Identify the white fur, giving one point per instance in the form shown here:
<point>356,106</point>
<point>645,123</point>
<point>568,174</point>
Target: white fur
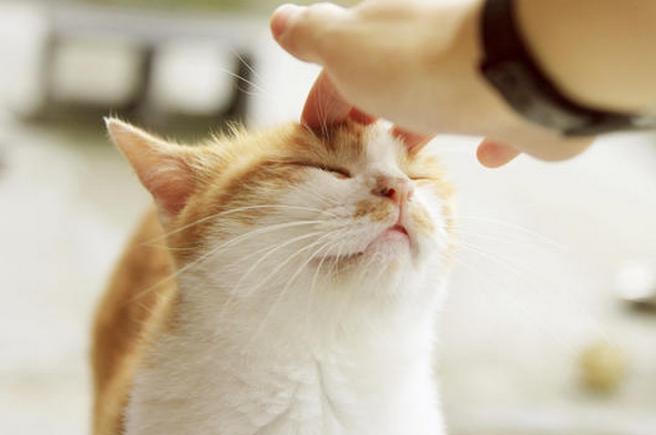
<point>293,345</point>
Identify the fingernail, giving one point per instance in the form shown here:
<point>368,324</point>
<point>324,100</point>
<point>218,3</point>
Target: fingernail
<point>281,17</point>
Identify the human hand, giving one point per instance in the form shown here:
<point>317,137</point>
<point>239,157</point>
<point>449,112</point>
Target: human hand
<point>416,64</point>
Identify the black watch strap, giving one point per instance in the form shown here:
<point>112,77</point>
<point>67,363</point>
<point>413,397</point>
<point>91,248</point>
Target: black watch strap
<point>510,68</point>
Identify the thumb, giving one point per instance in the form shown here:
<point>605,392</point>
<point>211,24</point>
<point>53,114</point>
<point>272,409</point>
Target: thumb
<point>304,31</point>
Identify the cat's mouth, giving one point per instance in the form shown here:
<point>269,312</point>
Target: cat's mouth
<point>398,228</point>
<point>395,235</point>
<point>392,241</point>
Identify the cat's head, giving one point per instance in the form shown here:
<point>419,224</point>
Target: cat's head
<point>291,208</point>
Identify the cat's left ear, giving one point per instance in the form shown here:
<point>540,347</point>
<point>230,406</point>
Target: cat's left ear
<point>164,168</point>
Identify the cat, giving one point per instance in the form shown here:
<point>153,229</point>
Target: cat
<point>286,282</point>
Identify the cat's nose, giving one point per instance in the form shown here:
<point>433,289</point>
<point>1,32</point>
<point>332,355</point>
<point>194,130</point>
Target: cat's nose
<point>399,190</point>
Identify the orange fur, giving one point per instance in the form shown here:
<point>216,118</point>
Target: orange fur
<point>374,210</point>
<point>141,298</point>
<point>121,319</point>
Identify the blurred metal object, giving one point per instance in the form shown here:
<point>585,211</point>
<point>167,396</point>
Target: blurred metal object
<point>165,70</point>
<point>635,283</point>
<point>113,68</point>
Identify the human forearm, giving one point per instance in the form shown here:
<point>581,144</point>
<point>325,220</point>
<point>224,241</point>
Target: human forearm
<point>599,52</point>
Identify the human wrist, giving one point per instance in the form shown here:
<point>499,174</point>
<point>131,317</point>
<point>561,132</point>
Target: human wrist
<point>552,43</point>
<point>601,62</point>
<point>474,106</point>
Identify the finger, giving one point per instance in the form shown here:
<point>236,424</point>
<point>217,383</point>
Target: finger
<point>324,105</point>
<point>302,30</point>
<point>413,141</point>
<point>494,154</point>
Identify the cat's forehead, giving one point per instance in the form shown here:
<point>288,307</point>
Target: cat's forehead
<point>381,147</point>
<point>350,144</point>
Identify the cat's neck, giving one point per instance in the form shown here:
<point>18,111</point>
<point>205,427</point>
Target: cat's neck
<point>320,320</point>
<point>271,365</point>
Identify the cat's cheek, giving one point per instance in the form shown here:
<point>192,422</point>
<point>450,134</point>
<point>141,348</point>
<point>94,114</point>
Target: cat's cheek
<point>422,222</point>
<point>427,225</point>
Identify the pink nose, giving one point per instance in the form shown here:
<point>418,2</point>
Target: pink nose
<point>397,189</point>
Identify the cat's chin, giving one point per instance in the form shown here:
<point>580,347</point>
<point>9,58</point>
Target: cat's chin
<point>391,245</point>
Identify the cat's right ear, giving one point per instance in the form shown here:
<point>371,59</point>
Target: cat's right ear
<point>164,168</point>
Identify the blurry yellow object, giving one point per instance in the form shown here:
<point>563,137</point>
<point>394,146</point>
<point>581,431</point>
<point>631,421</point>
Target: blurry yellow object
<point>603,367</point>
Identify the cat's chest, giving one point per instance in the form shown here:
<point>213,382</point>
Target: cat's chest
<point>280,398</point>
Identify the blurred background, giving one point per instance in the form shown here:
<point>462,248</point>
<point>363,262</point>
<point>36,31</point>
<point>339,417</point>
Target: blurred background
<point>551,323</point>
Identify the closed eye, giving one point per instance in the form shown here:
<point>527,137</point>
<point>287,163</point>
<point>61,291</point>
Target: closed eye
<point>336,171</point>
<point>420,178</point>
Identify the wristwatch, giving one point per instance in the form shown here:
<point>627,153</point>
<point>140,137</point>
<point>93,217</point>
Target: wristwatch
<point>510,68</point>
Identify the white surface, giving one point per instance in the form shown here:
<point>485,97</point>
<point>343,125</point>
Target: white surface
<point>542,244</point>
<point>68,204</point>
<point>192,77</point>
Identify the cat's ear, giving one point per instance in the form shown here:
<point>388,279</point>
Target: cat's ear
<point>163,168</point>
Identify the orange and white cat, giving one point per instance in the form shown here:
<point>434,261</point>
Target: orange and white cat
<point>288,283</point>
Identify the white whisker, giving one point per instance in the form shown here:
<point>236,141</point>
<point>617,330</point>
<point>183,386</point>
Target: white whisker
<point>314,281</point>
<point>284,291</point>
<point>245,80</point>
<point>237,210</point>
<point>514,226</point>
<point>286,261</point>
<point>217,249</point>
<point>245,63</point>
<point>492,257</point>
<point>270,252</point>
